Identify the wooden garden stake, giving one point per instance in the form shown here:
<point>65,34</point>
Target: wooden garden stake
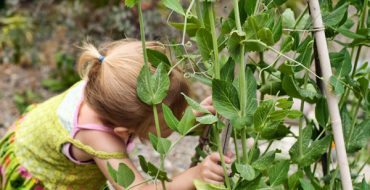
<point>332,100</point>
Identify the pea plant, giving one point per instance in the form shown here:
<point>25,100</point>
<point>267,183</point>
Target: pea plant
<point>253,95</point>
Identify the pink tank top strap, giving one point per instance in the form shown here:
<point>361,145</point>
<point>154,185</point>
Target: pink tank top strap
<point>95,127</point>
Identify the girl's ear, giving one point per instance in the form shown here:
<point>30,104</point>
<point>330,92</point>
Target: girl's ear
<point>121,131</point>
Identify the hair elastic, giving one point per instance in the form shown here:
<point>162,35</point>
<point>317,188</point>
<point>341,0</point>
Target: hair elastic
<point>101,58</point>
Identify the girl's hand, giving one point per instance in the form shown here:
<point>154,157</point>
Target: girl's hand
<point>208,104</point>
<point>210,169</point>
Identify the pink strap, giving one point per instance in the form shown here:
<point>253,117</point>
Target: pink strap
<point>95,127</point>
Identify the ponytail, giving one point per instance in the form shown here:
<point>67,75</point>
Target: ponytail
<point>89,60</point>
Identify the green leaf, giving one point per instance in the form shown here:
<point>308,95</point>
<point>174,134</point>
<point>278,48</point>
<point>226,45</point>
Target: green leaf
<point>285,103</point>
<point>207,119</point>
<point>204,41</point>
<point>291,87</point>
<point>278,173</point>
<point>265,35</point>
<point>335,17</point>
<point>293,114</point>
<point>143,163</point>
<point>316,149</point>
<point>225,98</point>
<point>187,122</point>
<point>251,92</point>
<point>234,46</point>
<point>305,57</point>
<point>262,113</point>
<point>227,71</point>
<point>263,162</point>
<point>152,170</point>
<point>130,3</point>
<point>321,112</point>
<point>112,172</point>
<point>195,105</point>
<point>152,89</point>
<point>170,119</point>
<point>288,18</point>
<point>192,25</point>
<point>306,137</point>
<point>125,176</point>
<point>161,145</point>
<point>201,185</point>
<point>355,136</point>
<point>293,180</point>
<point>155,58</point>
<point>274,131</point>
<point>306,184</point>
<point>250,6</point>
<point>246,171</point>
<point>287,44</point>
<point>272,87</point>
<point>337,85</point>
<point>277,31</point>
<point>174,5</point>
<point>341,61</point>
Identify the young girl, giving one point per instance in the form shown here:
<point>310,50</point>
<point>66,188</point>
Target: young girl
<point>66,141</point>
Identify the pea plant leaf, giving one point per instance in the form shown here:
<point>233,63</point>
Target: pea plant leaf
<point>170,119</point>
<point>262,113</point>
<point>155,58</point>
<point>227,71</point>
<point>321,112</point>
<point>125,176</point>
<point>266,36</point>
<point>152,170</point>
<point>161,145</point>
<point>195,105</point>
<point>336,85</point>
<point>288,18</point>
<point>152,89</point>
<point>204,41</point>
<point>246,171</point>
<point>207,119</point>
<point>187,122</point>
<point>311,151</point>
<point>263,162</point>
<point>251,92</point>
<point>174,5</point>
<point>225,99</point>
<point>192,26</point>
<point>355,135</point>
<point>278,173</point>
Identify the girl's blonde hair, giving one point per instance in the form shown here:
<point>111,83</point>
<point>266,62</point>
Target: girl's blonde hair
<point>111,85</point>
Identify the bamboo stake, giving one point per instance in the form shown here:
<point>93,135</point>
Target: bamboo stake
<point>332,100</point>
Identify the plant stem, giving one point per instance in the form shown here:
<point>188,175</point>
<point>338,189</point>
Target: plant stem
<point>253,148</point>
<point>158,129</point>
<point>236,147</point>
<point>155,112</point>
<point>267,148</point>
<point>142,33</point>
<point>244,145</point>
<point>199,13</point>
<point>214,40</point>
<point>256,8</point>
<point>237,17</point>
<point>332,100</point>
<point>242,91</point>
<point>186,21</point>
<point>219,148</point>
<point>300,125</point>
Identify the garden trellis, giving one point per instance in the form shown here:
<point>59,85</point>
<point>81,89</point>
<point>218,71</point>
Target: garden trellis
<point>259,27</point>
